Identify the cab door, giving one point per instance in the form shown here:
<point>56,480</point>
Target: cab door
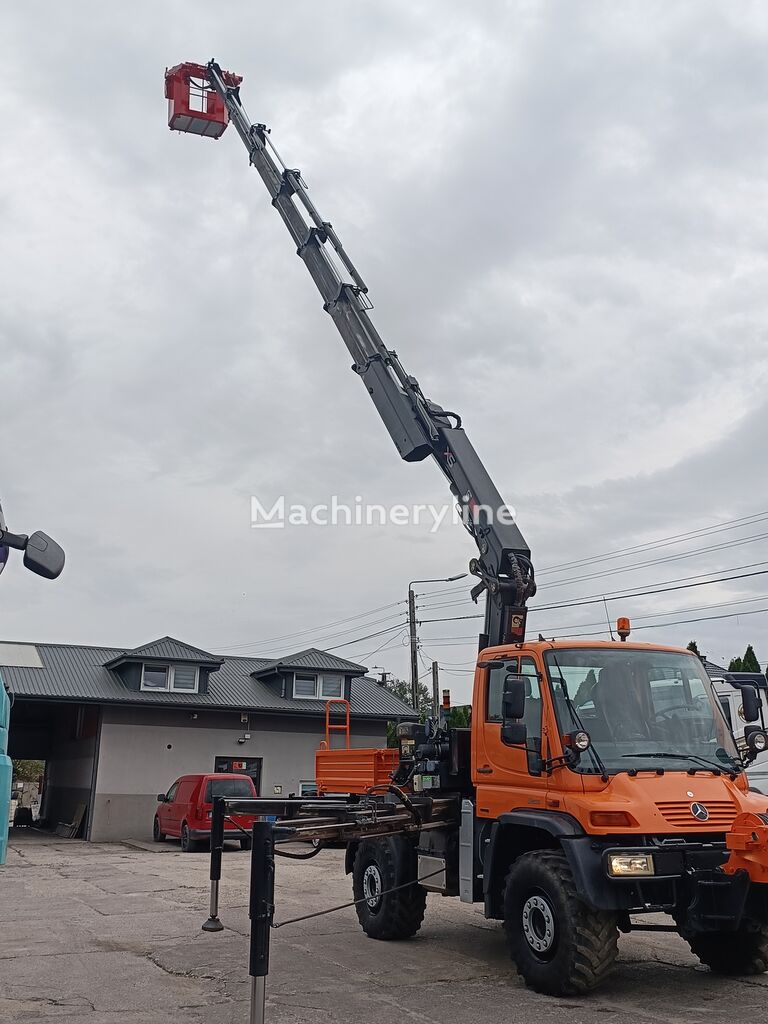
<point>509,777</point>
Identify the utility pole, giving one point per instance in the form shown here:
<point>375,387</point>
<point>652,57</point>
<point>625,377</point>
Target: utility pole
<point>435,689</point>
<point>414,649</point>
<point>414,642</point>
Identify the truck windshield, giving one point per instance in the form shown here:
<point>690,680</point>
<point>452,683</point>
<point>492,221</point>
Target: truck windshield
<point>643,709</point>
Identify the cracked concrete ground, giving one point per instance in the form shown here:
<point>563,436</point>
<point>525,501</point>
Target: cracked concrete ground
<point>91,934</point>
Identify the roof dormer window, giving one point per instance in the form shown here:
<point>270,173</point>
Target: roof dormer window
<point>177,678</point>
<point>315,685</point>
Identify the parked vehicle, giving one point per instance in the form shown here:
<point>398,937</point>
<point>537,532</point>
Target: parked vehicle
<point>728,689</point>
<point>185,811</point>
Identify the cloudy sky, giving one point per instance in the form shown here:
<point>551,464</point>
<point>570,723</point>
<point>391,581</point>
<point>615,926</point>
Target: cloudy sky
<point>561,210</point>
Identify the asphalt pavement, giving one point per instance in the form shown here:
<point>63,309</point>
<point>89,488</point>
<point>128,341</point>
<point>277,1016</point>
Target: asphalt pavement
<point>105,933</point>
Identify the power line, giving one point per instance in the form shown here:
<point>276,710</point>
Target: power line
<point>730,524</point>
<point>314,629</point>
<point>656,561</point>
<point>618,595</point>
<point>453,641</point>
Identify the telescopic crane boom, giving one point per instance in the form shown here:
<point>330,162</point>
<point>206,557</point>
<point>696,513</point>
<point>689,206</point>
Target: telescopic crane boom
<point>419,427</point>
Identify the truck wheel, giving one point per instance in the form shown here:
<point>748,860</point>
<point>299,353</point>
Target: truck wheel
<point>559,945</point>
<point>744,951</point>
<point>380,865</point>
<point>157,835</point>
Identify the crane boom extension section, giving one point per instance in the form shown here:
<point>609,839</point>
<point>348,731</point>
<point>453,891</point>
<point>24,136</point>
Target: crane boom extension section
<point>419,427</point>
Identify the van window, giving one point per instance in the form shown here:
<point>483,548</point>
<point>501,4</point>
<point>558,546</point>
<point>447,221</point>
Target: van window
<point>170,796</point>
<point>237,789</point>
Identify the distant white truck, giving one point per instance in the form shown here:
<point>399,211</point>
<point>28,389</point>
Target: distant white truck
<point>728,689</point>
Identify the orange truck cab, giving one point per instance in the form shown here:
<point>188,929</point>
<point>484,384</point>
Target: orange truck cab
<point>599,782</point>
<point>185,811</point>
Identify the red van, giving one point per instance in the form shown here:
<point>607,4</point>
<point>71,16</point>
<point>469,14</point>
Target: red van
<point>185,810</point>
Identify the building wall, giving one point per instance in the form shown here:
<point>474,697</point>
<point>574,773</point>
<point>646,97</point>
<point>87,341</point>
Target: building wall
<point>143,750</point>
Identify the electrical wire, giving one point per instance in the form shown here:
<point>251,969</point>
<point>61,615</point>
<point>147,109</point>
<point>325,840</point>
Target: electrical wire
<point>730,524</point>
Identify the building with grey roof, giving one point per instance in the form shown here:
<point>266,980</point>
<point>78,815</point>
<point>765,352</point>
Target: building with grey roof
<point>115,726</point>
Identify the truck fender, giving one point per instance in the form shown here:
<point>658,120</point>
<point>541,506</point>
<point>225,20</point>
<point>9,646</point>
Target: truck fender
<point>518,832</point>
<point>349,856</point>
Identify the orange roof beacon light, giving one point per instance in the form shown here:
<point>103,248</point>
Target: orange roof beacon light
<point>623,627</point>
<point>193,104</point>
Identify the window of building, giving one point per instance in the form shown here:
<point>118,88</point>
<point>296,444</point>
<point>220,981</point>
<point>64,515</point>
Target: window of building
<point>331,686</point>
<point>317,686</point>
<point>305,686</point>
<point>308,788</point>
<point>183,678</point>
<point>154,678</point>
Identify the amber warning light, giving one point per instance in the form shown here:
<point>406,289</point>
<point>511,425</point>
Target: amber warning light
<point>623,628</point>
<point>193,104</point>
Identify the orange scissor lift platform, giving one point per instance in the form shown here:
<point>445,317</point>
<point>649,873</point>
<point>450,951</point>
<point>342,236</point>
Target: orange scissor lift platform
<point>350,769</point>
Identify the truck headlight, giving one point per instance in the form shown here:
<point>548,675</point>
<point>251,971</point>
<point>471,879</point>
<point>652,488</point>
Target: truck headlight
<point>630,865</point>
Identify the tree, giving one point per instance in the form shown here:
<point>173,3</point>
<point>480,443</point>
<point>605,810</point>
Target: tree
<point>694,648</point>
<point>27,771</point>
<point>748,663</point>
<point>402,689</point>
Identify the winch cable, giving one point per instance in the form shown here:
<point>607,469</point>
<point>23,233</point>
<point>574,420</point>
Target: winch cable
<point>354,903</point>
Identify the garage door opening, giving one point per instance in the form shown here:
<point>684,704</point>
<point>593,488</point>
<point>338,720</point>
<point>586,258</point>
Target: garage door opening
<point>60,740</point>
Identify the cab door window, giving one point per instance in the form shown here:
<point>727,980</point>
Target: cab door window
<point>532,716</point>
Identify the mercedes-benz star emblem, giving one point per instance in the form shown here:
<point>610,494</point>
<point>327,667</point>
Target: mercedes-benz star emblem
<point>700,812</point>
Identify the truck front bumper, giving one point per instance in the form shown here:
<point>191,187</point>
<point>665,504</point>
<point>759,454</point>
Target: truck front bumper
<point>687,882</point>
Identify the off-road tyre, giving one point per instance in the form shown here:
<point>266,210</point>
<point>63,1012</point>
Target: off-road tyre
<point>561,947</point>
<point>188,844</point>
<point>380,865</point>
<point>157,835</point>
<point>744,951</point>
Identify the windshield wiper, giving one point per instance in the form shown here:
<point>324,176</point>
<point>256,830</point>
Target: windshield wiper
<point>576,718</point>
<point>725,769</point>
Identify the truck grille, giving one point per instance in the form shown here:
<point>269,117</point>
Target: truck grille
<point>679,813</point>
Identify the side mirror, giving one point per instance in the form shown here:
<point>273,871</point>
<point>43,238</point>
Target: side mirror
<point>514,734</point>
<point>751,704</point>
<point>43,556</point>
<point>513,698</point>
<point>513,731</point>
<point>161,798</point>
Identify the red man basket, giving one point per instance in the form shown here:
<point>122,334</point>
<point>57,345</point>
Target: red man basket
<point>193,105</point>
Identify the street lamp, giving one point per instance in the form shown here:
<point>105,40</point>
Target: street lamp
<point>412,632</point>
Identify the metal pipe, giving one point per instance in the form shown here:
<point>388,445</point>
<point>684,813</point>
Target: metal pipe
<point>260,911</point>
<point>213,924</point>
<point>258,1001</point>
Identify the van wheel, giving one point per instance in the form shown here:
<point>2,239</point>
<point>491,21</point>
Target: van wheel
<point>157,835</point>
<point>188,844</point>
<point>380,865</point>
<point>560,946</point>
<point>245,843</point>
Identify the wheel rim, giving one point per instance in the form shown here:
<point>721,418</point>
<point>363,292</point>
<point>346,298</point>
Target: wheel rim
<point>372,887</point>
<point>538,922</point>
